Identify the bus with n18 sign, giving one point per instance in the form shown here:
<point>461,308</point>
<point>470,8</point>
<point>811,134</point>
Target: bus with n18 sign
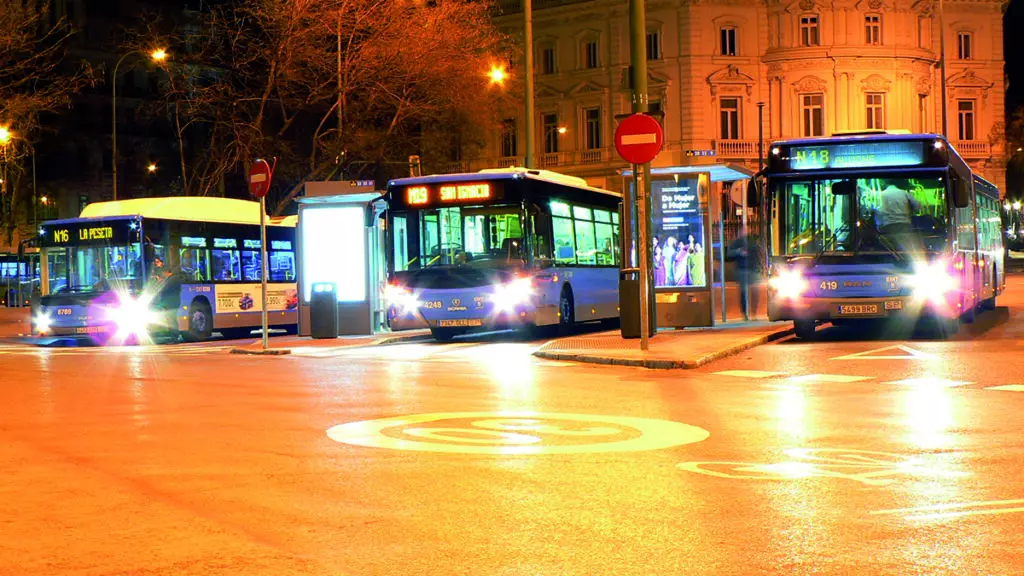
<point>879,226</point>
<point>507,248</point>
<point>132,270</point>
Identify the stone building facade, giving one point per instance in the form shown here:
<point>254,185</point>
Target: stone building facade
<point>814,67</point>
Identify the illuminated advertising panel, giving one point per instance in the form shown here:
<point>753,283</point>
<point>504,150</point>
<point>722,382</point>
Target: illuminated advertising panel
<point>334,251</point>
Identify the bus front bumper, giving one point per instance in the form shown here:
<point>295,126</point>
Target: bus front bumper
<point>499,321</point>
<point>826,309</point>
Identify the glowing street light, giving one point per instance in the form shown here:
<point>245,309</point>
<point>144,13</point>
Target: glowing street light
<point>1006,206</point>
<point>5,134</point>
<point>498,75</point>
<point>1016,205</point>
<point>562,129</point>
<point>151,168</point>
<point>43,200</point>
<point>156,55</point>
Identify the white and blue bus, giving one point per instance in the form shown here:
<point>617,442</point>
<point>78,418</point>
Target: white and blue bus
<point>508,248</point>
<point>879,226</point>
<point>128,270</point>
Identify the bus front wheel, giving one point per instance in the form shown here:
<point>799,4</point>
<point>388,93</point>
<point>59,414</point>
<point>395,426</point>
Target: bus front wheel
<point>200,322</point>
<point>804,329</point>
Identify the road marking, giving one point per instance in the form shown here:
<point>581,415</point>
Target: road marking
<point>517,433</point>
<point>1008,388</point>
<point>908,354</point>
<point>838,378</point>
<point>957,510</point>
<point>929,382</point>
<point>864,466</point>
<point>749,374</point>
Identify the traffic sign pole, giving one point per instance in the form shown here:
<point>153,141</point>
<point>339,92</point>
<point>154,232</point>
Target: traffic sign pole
<point>263,272</point>
<point>260,175</point>
<point>643,249</point>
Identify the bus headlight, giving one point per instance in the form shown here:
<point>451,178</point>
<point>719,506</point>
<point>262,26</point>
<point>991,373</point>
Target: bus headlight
<point>42,322</point>
<point>789,284</point>
<point>511,294</point>
<point>133,316</point>
<point>932,282</point>
<point>401,297</point>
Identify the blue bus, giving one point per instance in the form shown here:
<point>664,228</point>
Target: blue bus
<point>129,270</point>
<point>19,278</point>
<point>507,248</point>
<point>879,226</point>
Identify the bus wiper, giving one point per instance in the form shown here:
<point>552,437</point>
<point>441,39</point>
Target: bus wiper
<point>830,242</point>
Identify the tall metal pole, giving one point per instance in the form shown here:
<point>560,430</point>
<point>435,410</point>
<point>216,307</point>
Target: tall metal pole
<point>263,272</point>
<point>35,196</point>
<point>113,128</point>
<point>528,53</point>
<point>942,65</point>
<point>642,172</point>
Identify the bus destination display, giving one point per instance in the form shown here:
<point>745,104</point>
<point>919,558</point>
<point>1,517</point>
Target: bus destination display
<point>449,194</point>
<point>856,155</point>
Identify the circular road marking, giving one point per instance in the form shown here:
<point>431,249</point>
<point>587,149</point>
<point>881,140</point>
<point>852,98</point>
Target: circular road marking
<point>517,433</point>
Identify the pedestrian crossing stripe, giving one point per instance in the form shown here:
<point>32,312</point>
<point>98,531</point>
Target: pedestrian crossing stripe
<point>908,354</point>
<point>756,374</point>
<point>929,382</point>
<point>1008,388</point>
<point>837,378</point>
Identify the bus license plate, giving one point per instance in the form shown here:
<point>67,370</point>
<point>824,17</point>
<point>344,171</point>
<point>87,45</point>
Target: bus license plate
<point>461,322</point>
<point>894,305</point>
<point>854,309</point>
<point>91,329</point>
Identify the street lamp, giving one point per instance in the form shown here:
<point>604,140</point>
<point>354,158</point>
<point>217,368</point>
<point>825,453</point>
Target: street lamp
<point>151,168</point>
<point>562,129</point>
<point>498,75</point>
<point>157,55</point>
<point>1016,205</point>
<point>5,135</point>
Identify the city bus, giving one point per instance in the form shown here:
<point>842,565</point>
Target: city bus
<point>130,270</point>
<point>506,248</point>
<point>19,278</point>
<point>879,226</point>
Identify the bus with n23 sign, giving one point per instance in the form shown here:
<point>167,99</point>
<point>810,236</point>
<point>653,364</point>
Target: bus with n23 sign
<point>130,270</point>
<point>508,248</point>
<point>879,226</point>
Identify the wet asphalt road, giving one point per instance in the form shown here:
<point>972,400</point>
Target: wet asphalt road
<point>852,454</point>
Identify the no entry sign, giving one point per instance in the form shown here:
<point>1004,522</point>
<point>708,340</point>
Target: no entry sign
<point>639,138</point>
<point>259,178</point>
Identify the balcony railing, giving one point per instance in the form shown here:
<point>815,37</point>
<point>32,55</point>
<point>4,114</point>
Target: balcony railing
<point>550,159</point>
<point>457,167</point>
<point>509,161</point>
<point>595,156</point>
<point>973,148</point>
<point>741,149</point>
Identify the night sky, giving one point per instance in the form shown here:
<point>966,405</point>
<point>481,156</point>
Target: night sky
<point>1013,48</point>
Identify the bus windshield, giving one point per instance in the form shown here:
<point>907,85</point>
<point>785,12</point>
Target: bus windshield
<point>467,236</point>
<point>895,214</point>
<point>92,269</point>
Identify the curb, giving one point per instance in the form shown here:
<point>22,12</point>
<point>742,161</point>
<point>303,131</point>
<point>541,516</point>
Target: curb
<point>667,364</point>
<point>382,342</point>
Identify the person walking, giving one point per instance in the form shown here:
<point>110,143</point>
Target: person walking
<point>746,252</point>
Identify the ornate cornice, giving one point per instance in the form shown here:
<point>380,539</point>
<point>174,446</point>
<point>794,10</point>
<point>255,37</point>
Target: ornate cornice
<point>875,83</point>
<point>811,83</point>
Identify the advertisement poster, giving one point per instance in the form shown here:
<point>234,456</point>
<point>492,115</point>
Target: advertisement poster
<point>677,233</point>
<point>248,298</point>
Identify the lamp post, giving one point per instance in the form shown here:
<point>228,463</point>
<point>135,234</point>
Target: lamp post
<point>157,55</point>
<point>5,139</point>
<point>942,64</point>
<point>528,105</point>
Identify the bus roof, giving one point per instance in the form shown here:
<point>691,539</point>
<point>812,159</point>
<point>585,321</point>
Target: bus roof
<point>857,137</point>
<point>514,173</point>
<point>187,208</point>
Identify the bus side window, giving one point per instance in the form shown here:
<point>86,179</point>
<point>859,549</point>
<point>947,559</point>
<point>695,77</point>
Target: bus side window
<point>540,237</point>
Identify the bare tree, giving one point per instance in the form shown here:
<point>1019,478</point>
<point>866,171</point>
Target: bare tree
<point>35,79</point>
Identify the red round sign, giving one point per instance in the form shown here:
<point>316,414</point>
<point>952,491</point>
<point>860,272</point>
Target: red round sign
<point>259,178</point>
<point>639,138</point>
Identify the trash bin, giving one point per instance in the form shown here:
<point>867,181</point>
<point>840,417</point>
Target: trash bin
<point>323,311</point>
<point>629,305</point>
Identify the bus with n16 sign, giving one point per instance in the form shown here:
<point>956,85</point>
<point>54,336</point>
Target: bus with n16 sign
<point>879,226</point>
<point>507,248</point>
<point>130,270</point>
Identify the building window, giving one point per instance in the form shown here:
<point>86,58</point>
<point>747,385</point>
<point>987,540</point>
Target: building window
<point>809,31</point>
<point>590,55</point>
<point>654,45</point>
<point>873,29</point>
<point>728,40</point>
<point>875,103</point>
<point>547,60</point>
<point>654,109</point>
<point>965,117</point>
<point>964,48</point>
<point>729,115</point>
<point>550,130</point>
<point>592,121</point>
<point>509,138</point>
<point>812,114</point>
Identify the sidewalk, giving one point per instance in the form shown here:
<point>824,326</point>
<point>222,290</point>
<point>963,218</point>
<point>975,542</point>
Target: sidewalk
<point>304,344</point>
<point>689,348</point>
<point>14,322</point>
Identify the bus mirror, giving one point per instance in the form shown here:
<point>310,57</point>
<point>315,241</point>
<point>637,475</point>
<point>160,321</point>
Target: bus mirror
<point>753,193</point>
<point>844,188</point>
<point>961,199</point>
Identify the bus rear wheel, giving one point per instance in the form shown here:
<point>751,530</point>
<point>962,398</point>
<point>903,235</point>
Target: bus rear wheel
<point>566,313</point>
<point>200,323</point>
<point>804,328</point>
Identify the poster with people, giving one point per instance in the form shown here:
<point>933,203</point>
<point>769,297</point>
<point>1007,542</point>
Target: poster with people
<point>677,234</point>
